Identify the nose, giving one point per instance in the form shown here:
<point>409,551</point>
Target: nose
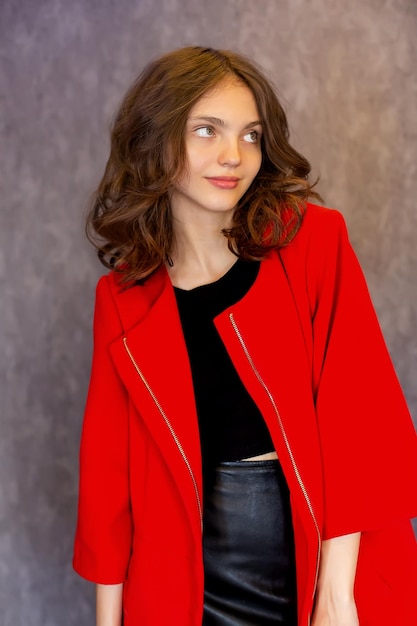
<point>229,154</point>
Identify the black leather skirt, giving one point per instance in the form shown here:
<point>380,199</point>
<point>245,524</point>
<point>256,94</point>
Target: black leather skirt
<point>248,544</point>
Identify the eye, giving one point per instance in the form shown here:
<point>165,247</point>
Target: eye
<point>204,131</point>
<point>252,136</point>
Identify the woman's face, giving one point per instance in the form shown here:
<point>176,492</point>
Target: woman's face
<point>223,152</point>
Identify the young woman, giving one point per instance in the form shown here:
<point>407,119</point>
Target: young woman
<point>247,456</point>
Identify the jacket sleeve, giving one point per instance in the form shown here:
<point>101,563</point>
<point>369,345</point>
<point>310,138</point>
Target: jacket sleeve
<point>104,528</point>
<point>368,442</point>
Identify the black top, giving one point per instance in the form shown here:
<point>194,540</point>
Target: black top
<point>231,426</point>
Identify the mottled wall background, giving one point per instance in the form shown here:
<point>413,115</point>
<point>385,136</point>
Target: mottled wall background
<point>346,71</point>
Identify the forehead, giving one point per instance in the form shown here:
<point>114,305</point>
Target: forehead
<point>227,98</point>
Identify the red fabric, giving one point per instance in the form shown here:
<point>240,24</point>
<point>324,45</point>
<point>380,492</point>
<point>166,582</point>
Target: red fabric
<point>307,345</point>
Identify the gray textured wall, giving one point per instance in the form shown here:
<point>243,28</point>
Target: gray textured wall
<point>347,73</point>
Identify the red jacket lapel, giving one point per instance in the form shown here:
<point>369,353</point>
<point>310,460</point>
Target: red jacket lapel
<point>152,360</point>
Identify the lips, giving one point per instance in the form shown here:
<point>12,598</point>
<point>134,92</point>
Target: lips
<point>224,182</point>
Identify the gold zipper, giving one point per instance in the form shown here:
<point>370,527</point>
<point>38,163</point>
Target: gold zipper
<point>170,428</point>
<point>287,444</point>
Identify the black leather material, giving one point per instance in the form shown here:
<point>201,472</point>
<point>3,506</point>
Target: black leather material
<point>248,543</point>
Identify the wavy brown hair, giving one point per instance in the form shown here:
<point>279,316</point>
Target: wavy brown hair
<point>130,218</point>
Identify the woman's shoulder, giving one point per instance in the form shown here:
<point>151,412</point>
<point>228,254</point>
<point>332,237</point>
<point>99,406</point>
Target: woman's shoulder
<point>130,301</point>
<point>112,294</point>
<point>322,228</point>
<point>321,219</point>
<point>320,240</point>
<point>114,284</point>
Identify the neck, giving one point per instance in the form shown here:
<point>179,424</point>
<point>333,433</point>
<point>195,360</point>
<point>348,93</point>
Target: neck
<point>200,252</point>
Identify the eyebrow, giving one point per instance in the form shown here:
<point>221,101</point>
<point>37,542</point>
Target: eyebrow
<point>219,122</point>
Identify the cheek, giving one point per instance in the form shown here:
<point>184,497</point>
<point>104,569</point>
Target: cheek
<point>256,163</point>
<point>197,159</point>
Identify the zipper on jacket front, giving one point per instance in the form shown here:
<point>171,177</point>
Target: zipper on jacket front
<point>170,428</point>
<point>287,443</point>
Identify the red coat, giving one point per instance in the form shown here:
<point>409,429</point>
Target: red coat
<point>308,347</point>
